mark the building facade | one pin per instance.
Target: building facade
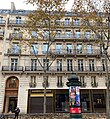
(22, 79)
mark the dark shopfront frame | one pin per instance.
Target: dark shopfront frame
(92, 100)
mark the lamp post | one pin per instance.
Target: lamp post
(74, 97)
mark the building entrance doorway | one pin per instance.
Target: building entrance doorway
(12, 104)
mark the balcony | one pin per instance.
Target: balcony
(72, 37)
(12, 69)
(75, 52)
(16, 22)
(32, 85)
(14, 51)
(66, 69)
(16, 35)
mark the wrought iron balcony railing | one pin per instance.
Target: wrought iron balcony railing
(83, 69)
(14, 51)
(75, 52)
(12, 68)
(16, 35)
(16, 22)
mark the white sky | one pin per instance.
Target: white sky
(20, 4)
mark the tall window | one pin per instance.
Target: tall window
(45, 82)
(33, 64)
(87, 34)
(1, 19)
(69, 65)
(91, 65)
(69, 47)
(15, 48)
(46, 35)
(67, 22)
(32, 82)
(58, 48)
(14, 64)
(82, 79)
(18, 20)
(79, 48)
(12, 83)
(59, 65)
(59, 81)
(93, 81)
(58, 32)
(80, 64)
(68, 34)
(46, 63)
(76, 22)
(77, 34)
(34, 34)
(89, 49)
(103, 64)
(34, 49)
(45, 46)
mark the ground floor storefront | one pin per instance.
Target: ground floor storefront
(57, 100)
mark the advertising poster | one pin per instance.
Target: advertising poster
(74, 96)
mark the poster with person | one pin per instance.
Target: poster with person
(74, 97)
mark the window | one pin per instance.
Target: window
(87, 34)
(46, 35)
(33, 64)
(32, 81)
(46, 64)
(14, 63)
(91, 65)
(58, 48)
(45, 82)
(59, 65)
(1, 19)
(79, 48)
(34, 34)
(80, 64)
(59, 81)
(103, 64)
(76, 22)
(89, 49)
(82, 80)
(69, 47)
(67, 22)
(69, 65)
(15, 48)
(45, 46)
(58, 22)
(77, 34)
(34, 49)
(18, 20)
(68, 34)
(58, 32)
(93, 81)
(12, 83)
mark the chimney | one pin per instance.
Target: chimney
(12, 6)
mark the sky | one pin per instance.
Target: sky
(20, 4)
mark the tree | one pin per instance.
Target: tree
(95, 15)
(42, 25)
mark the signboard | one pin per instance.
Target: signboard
(74, 96)
(75, 110)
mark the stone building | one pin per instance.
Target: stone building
(21, 83)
